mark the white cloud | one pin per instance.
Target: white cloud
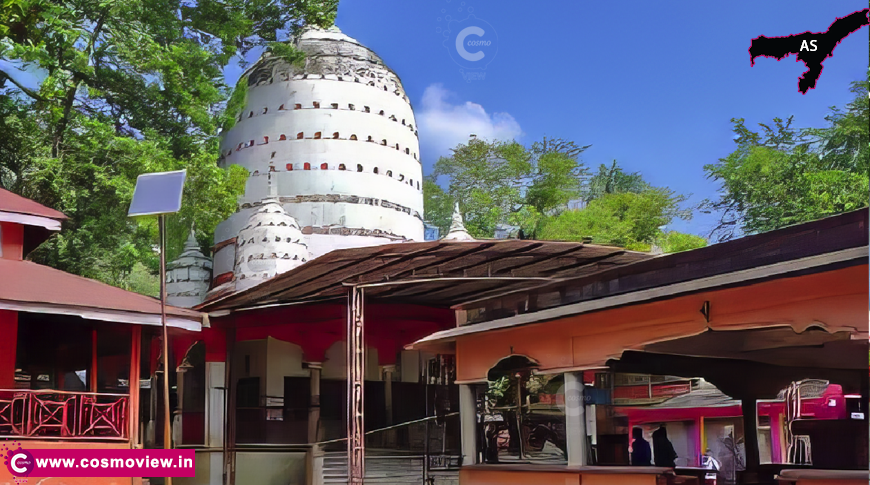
(443, 125)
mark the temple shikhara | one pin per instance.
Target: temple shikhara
(333, 156)
(323, 340)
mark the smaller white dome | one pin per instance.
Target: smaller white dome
(457, 231)
(270, 244)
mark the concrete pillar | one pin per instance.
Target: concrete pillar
(314, 404)
(214, 402)
(390, 436)
(468, 424)
(575, 419)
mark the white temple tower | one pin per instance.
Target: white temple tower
(335, 143)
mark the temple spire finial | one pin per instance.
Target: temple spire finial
(457, 231)
(191, 239)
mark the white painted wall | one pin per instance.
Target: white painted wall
(282, 359)
(335, 365)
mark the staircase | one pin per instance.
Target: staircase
(385, 468)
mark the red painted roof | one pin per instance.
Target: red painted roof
(10, 202)
(28, 286)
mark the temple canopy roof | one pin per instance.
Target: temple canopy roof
(433, 273)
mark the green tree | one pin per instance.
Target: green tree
(781, 175)
(614, 180)
(626, 219)
(126, 87)
(499, 182)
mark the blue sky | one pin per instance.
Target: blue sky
(650, 84)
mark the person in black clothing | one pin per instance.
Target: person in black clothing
(641, 454)
(665, 455)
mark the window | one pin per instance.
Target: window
(334, 105)
(403, 122)
(239, 147)
(350, 107)
(389, 173)
(324, 166)
(375, 171)
(251, 114)
(353, 137)
(297, 106)
(283, 137)
(289, 167)
(367, 109)
(407, 151)
(300, 135)
(306, 166)
(359, 167)
(401, 177)
(251, 143)
(384, 142)
(317, 136)
(281, 108)
(341, 166)
(370, 138)
(265, 110)
(418, 185)
(316, 104)
(265, 140)
(381, 113)
(397, 146)
(335, 136)
(273, 155)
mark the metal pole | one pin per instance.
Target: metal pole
(167, 428)
(355, 387)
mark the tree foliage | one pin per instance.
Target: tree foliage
(126, 87)
(501, 182)
(532, 187)
(625, 219)
(781, 175)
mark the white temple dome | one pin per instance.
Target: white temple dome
(188, 276)
(333, 141)
(270, 244)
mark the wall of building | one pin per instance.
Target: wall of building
(836, 299)
(335, 366)
(270, 468)
(283, 359)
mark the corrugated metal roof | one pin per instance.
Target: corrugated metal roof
(435, 273)
(27, 286)
(10, 202)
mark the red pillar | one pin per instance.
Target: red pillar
(8, 347)
(135, 364)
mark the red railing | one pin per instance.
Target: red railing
(61, 414)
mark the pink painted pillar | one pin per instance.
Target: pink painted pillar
(8, 347)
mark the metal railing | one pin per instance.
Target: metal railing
(63, 415)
